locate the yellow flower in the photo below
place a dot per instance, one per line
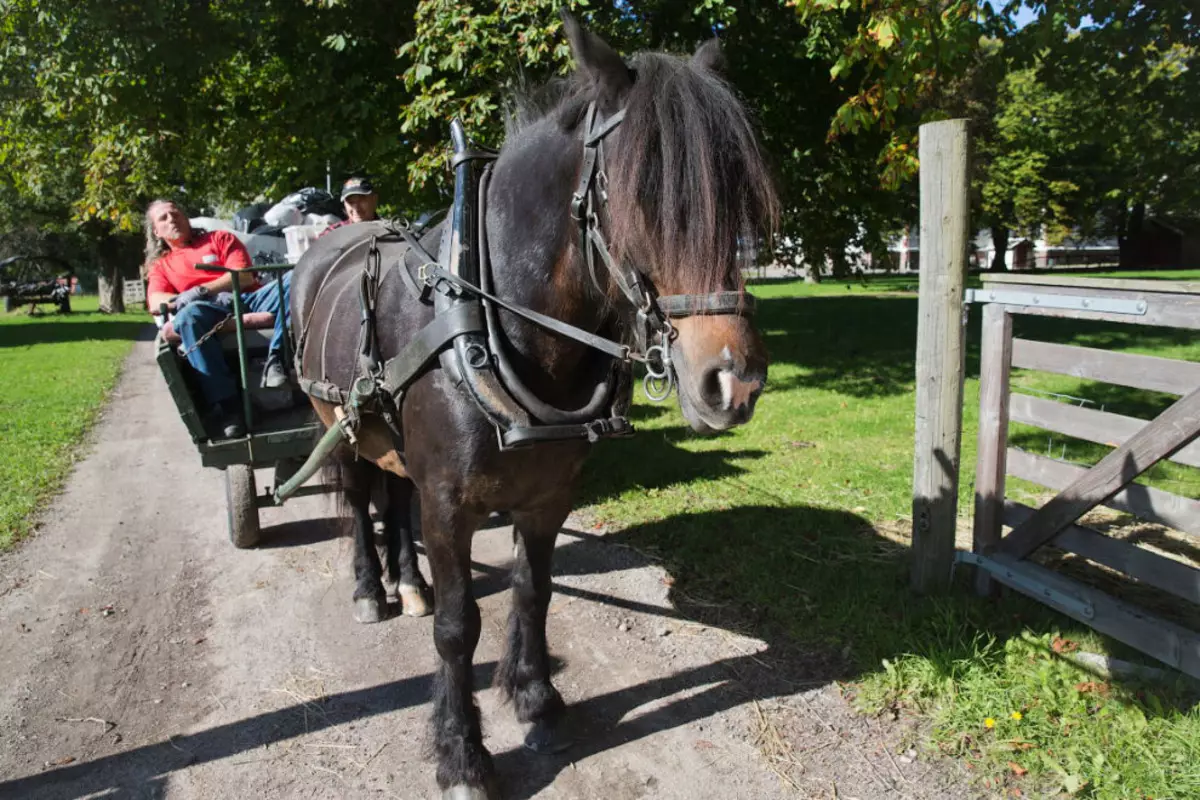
(1017, 715)
(989, 723)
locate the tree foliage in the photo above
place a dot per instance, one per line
(1084, 118)
(116, 102)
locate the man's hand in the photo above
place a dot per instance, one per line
(190, 296)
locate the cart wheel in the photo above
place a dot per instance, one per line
(239, 498)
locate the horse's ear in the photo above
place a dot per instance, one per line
(709, 56)
(599, 62)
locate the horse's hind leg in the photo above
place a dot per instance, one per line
(370, 599)
(464, 768)
(411, 589)
(524, 672)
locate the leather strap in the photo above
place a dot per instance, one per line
(403, 369)
(687, 305)
(480, 154)
(592, 431)
(607, 346)
(322, 390)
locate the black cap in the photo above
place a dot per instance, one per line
(357, 186)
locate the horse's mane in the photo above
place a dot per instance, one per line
(687, 178)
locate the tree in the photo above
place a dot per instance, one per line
(111, 104)
(1030, 160)
(1084, 118)
(894, 60)
(1134, 69)
(470, 61)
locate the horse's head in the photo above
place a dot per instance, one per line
(688, 195)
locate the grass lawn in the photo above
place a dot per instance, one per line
(794, 528)
(55, 373)
(797, 527)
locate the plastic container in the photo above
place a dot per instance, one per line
(299, 238)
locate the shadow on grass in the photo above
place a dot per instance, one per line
(859, 346)
(865, 346)
(654, 460)
(76, 327)
(821, 588)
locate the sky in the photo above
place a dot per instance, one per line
(1024, 15)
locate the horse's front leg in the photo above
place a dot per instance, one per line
(411, 588)
(370, 599)
(464, 769)
(524, 673)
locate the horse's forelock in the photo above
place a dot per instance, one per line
(687, 176)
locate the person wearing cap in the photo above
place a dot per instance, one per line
(359, 201)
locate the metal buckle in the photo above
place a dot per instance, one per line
(578, 201)
(660, 375)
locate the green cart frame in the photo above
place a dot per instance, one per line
(282, 439)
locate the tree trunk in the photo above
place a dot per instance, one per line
(838, 267)
(110, 279)
(1129, 241)
(1000, 242)
(112, 294)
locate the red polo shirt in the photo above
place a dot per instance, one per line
(176, 271)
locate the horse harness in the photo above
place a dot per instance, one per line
(464, 336)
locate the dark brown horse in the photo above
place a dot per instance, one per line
(679, 187)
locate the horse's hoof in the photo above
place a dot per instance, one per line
(464, 792)
(368, 610)
(412, 599)
(548, 738)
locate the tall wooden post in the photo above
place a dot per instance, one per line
(944, 153)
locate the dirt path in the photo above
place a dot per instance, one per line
(144, 657)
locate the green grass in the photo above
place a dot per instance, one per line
(794, 527)
(797, 527)
(1164, 275)
(55, 373)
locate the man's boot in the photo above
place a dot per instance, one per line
(274, 374)
(226, 417)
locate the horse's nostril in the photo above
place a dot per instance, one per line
(714, 388)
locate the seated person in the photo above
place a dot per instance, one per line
(173, 249)
(359, 201)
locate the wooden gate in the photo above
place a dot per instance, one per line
(1138, 445)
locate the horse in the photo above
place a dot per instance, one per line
(657, 164)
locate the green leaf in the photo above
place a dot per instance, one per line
(884, 31)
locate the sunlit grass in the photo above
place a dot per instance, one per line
(798, 526)
(55, 373)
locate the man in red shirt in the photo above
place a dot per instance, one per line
(200, 300)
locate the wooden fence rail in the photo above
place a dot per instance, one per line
(1137, 446)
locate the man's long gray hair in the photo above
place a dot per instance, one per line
(156, 248)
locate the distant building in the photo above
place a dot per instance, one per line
(1169, 243)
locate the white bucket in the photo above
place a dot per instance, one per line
(299, 238)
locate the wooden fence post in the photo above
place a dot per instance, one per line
(995, 367)
(944, 153)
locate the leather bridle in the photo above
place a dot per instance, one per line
(652, 328)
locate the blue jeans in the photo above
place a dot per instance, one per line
(217, 383)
